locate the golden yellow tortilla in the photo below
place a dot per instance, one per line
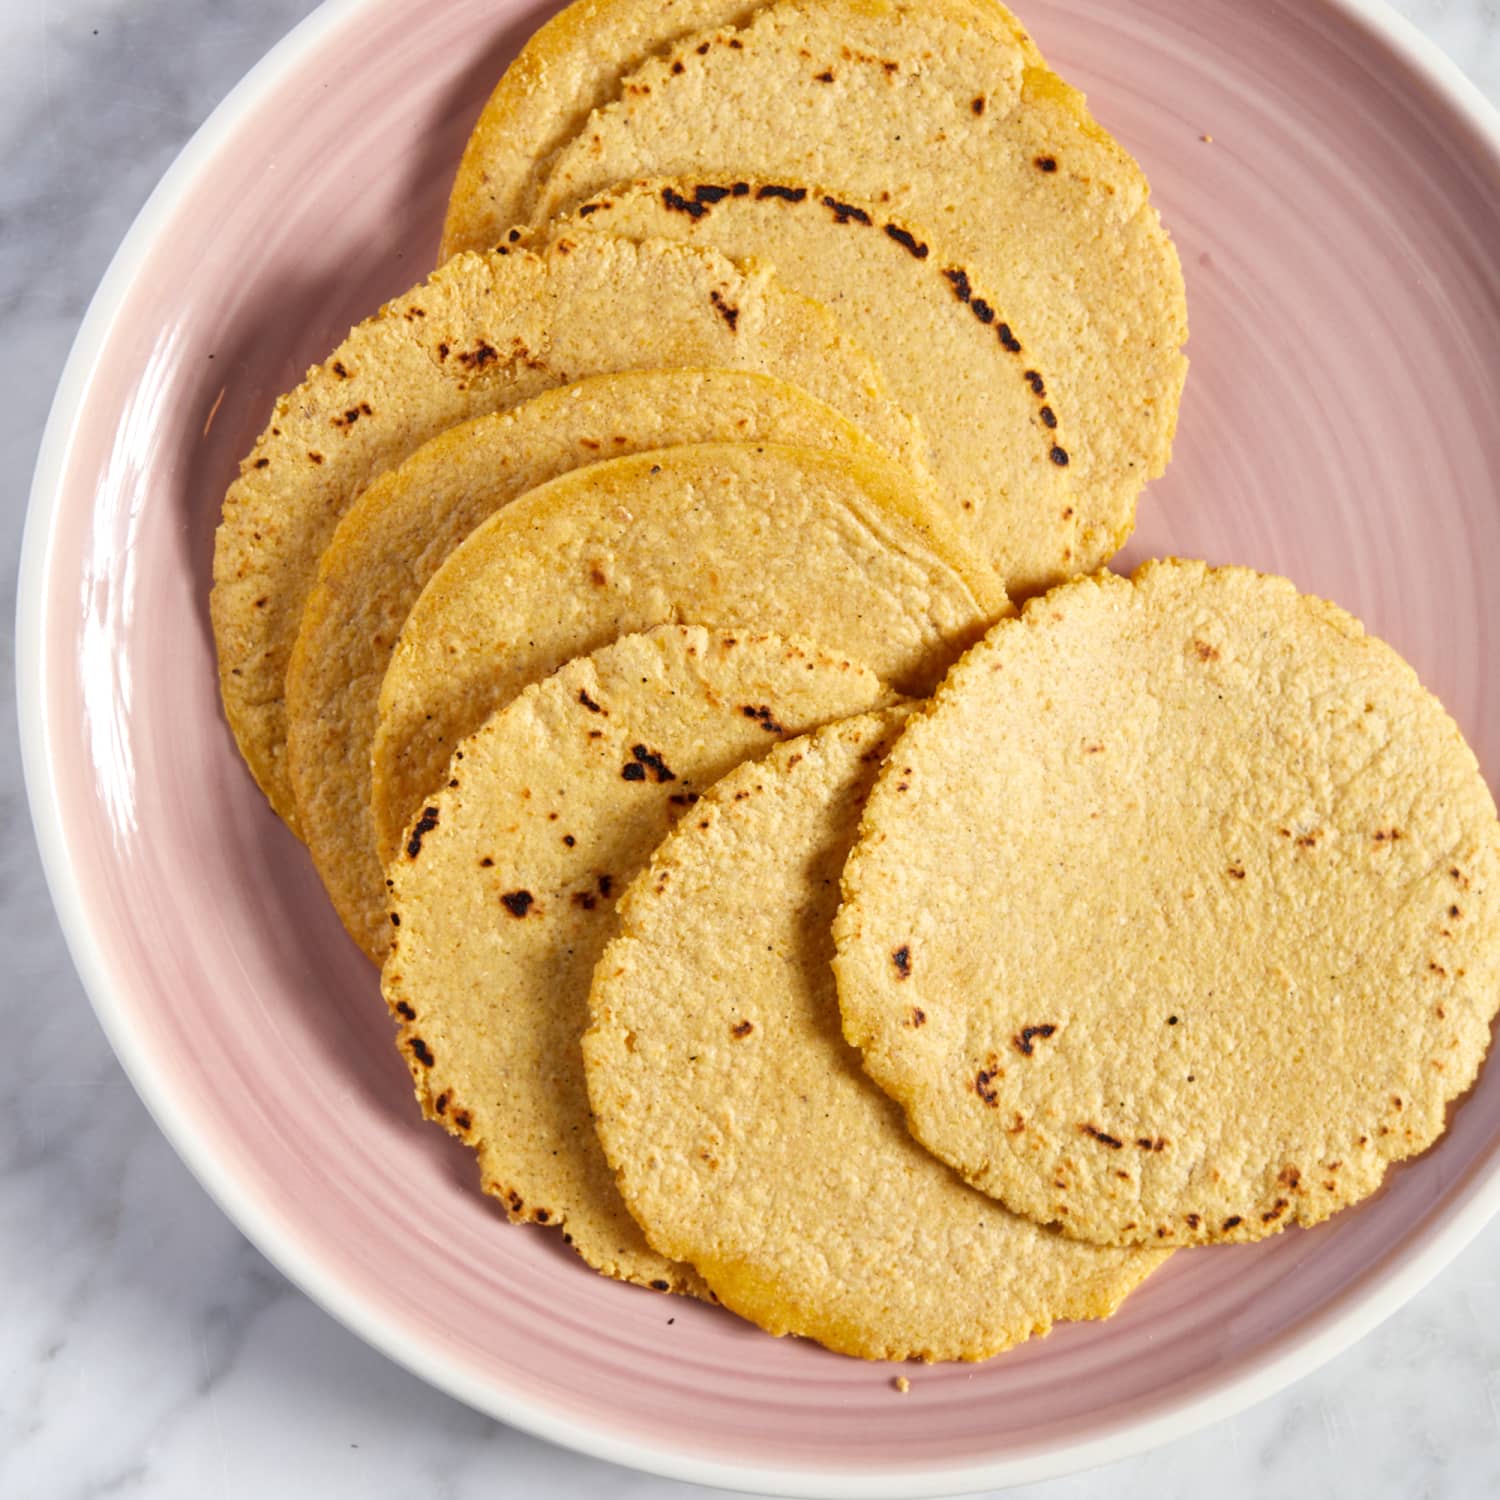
(1198, 892)
(991, 432)
(505, 893)
(567, 68)
(836, 548)
(484, 333)
(397, 534)
(746, 1138)
(948, 122)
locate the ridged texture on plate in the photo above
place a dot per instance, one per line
(401, 529)
(990, 419)
(1198, 890)
(746, 1137)
(481, 334)
(833, 547)
(945, 119)
(1339, 428)
(504, 897)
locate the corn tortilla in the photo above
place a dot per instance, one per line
(505, 895)
(931, 110)
(992, 432)
(567, 68)
(401, 529)
(483, 333)
(1199, 892)
(834, 547)
(746, 1138)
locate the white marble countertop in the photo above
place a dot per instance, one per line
(145, 1348)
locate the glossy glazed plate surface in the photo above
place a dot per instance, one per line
(1337, 232)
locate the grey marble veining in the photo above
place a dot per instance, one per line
(146, 1349)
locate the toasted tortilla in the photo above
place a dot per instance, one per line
(504, 894)
(402, 528)
(989, 419)
(746, 1138)
(836, 548)
(943, 118)
(571, 66)
(1198, 891)
(482, 334)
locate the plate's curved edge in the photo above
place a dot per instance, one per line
(1337, 1328)
(1415, 47)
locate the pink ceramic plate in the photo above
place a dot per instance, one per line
(1338, 233)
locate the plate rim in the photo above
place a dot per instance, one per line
(1295, 1354)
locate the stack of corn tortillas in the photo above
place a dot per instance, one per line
(627, 620)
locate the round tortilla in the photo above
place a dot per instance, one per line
(1199, 891)
(834, 547)
(568, 68)
(940, 116)
(989, 417)
(401, 529)
(484, 333)
(504, 896)
(746, 1138)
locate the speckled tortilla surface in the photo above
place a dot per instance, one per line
(951, 122)
(990, 419)
(834, 547)
(483, 333)
(746, 1137)
(504, 894)
(1198, 891)
(567, 68)
(402, 528)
